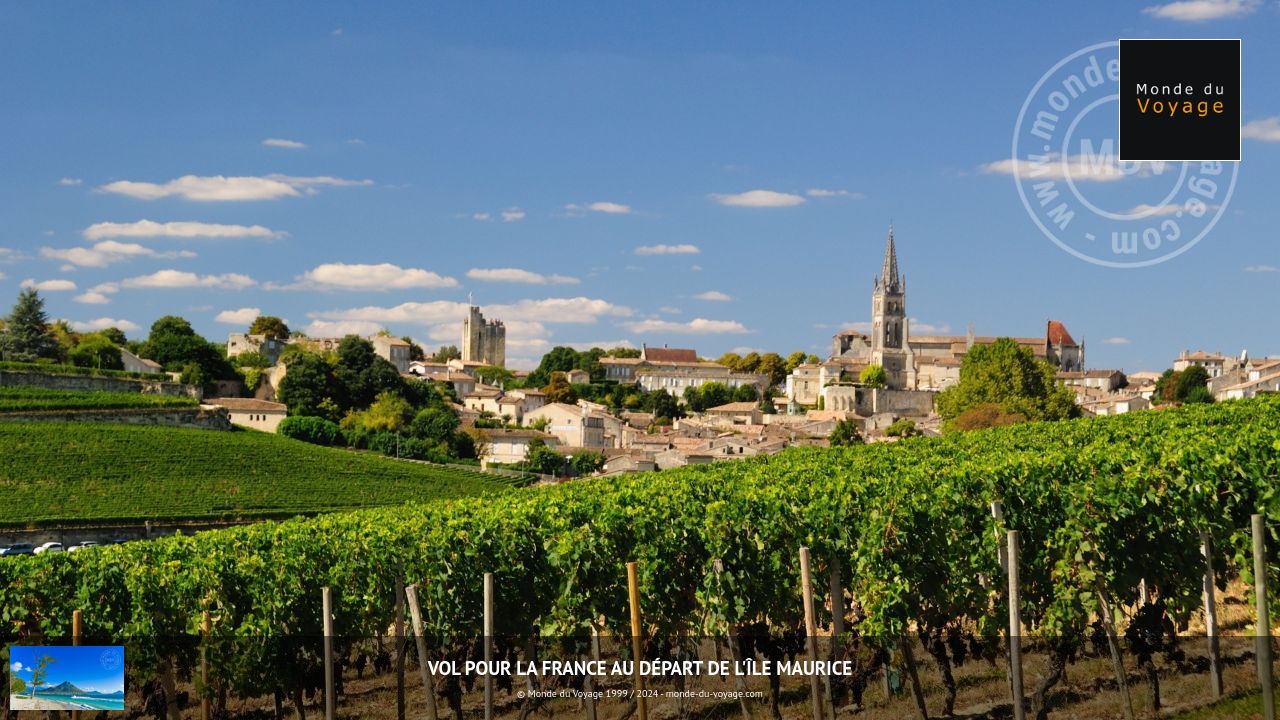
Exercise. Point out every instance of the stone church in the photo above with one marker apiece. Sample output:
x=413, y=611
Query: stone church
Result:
x=913, y=362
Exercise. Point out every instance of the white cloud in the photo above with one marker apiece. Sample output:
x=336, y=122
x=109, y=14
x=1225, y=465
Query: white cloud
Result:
x=697, y=326
x=384, y=276
x=516, y=275
x=354, y=141
x=758, y=199
x=670, y=310
x=103, y=323
x=219, y=188
x=341, y=328
x=2, y=276
x=1262, y=269
x=179, y=279
x=49, y=285
x=575, y=310
x=481, y=216
x=611, y=208
x=916, y=327
x=283, y=143
x=1197, y=10
x=92, y=297
x=1267, y=129
x=107, y=252
x=667, y=250
x=150, y=228
x=1116, y=341
x=603, y=344
x=825, y=193
x=1080, y=168
x=243, y=316
x=70, y=181
x=512, y=214
x=713, y=296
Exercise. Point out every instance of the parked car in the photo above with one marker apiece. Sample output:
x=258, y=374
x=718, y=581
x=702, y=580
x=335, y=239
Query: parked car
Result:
x=50, y=547
x=82, y=545
x=18, y=549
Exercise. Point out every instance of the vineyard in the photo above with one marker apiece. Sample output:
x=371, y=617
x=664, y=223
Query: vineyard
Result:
x=67, y=474
x=1102, y=506
x=26, y=399
x=76, y=370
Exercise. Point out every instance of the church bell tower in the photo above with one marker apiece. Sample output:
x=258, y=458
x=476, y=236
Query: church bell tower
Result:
x=889, y=348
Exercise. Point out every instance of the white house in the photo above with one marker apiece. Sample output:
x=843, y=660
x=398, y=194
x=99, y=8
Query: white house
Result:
x=133, y=363
x=257, y=414
x=511, y=447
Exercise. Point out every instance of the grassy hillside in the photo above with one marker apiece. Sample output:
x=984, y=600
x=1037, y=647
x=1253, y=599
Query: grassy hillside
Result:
x=55, y=473
x=23, y=399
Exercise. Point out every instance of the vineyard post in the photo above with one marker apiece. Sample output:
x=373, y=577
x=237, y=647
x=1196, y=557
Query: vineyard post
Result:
x=428, y=682
x=637, y=642
x=1211, y=615
x=739, y=685
x=1015, y=628
x=590, y=680
x=1264, y=618
x=1117, y=664
x=811, y=633
x=400, y=648
x=488, y=646
x=1002, y=556
x=77, y=632
x=836, y=594
x=206, y=628
x=326, y=605
x=909, y=659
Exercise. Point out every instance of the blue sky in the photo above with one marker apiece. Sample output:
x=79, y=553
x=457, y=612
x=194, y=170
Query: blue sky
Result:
x=353, y=166
x=82, y=666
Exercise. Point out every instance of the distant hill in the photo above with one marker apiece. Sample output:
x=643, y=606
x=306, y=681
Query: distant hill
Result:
x=64, y=473
x=116, y=694
x=62, y=688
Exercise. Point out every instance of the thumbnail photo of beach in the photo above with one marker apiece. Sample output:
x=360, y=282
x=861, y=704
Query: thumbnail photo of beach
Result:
x=89, y=677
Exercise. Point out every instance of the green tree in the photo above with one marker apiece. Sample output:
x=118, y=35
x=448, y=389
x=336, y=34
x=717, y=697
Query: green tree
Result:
x=95, y=350
x=445, y=354
x=873, y=376
x=558, y=390
x=1010, y=377
x=27, y=334
x=745, y=393
x=493, y=375
x=986, y=415
x=175, y=345
x=434, y=423
x=311, y=388
x=559, y=359
x=586, y=462
x=388, y=413
x=269, y=325
x=363, y=373
x=542, y=459
x=115, y=335
x=1192, y=386
x=902, y=427
x=16, y=685
x=844, y=434
x=663, y=405
x=795, y=360
x=251, y=359
x=774, y=366
x=709, y=395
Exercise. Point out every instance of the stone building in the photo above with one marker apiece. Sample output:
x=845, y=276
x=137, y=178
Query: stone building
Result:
x=257, y=414
x=483, y=340
x=911, y=362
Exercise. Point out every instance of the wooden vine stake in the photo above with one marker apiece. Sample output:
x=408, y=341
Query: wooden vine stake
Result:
x=1263, y=630
x=428, y=681
x=206, y=629
x=836, y=594
x=739, y=684
x=1015, y=627
x=330, y=700
x=1211, y=616
x=811, y=633
x=488, y=646
x=637, y=641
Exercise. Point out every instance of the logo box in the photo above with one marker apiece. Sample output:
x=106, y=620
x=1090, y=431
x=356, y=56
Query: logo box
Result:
x=1179, y=100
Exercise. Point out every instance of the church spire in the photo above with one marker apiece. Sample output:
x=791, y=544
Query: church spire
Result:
x=889, y=278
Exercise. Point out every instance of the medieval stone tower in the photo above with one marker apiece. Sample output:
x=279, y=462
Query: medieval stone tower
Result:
x=889, y=347
x=483, y=340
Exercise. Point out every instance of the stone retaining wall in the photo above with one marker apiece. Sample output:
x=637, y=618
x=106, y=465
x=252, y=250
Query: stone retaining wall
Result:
x=204, y=417
x=90, y=383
